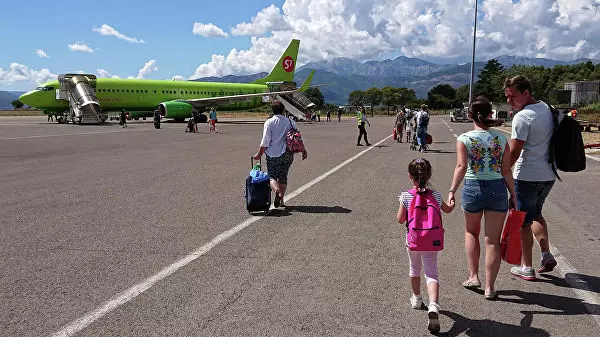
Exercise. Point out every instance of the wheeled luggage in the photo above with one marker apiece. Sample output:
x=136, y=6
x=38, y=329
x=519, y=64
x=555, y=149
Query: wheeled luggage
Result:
x=258, y=193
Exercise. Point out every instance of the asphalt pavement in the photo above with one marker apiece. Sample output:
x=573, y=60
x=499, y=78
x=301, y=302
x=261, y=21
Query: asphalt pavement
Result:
x=110, y=231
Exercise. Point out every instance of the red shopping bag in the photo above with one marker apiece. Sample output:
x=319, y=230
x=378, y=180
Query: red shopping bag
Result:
x=428, y=139
x=510, y=245
x=395, y=134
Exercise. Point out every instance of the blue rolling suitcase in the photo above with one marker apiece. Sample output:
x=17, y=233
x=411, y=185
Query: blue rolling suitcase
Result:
x=258, y=194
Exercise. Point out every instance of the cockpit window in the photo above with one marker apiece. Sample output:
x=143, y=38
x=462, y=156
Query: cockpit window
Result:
x=48, y=88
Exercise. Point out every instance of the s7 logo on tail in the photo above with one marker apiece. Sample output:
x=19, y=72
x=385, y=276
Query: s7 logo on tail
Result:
x=288, y=64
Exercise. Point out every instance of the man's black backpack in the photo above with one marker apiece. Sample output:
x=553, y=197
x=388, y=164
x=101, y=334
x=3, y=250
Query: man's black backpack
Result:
x=566, y=145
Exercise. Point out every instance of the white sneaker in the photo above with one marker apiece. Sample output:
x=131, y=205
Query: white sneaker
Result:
x=416, y=301
x=433, y=313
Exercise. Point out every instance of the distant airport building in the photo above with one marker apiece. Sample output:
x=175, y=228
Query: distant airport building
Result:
x=583, y=92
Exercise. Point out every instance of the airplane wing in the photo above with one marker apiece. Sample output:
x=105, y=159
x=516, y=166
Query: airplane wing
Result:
x=223, y=100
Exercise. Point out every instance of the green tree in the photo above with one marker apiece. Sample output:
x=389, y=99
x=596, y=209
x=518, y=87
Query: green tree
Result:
x=356, y=98
x=406, y=96
x=391, y=97
x=442, y=96
x=489, y=78
x=315, y=96
x=17, y=104
x=462, y=94
x=374, y=96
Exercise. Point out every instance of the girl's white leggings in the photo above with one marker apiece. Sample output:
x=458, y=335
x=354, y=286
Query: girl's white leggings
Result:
x=426, y=261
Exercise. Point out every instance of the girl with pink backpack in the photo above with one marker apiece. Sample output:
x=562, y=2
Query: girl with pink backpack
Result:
x=420, y=208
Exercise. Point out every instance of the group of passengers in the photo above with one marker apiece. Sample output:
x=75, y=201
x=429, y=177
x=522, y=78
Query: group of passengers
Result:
x=484, y=161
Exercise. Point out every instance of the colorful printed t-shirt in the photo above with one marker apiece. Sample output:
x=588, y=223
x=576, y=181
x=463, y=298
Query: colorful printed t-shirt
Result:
x=485, y=149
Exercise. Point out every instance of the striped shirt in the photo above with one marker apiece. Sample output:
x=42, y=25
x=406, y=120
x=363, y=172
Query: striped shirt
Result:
x=405, y=198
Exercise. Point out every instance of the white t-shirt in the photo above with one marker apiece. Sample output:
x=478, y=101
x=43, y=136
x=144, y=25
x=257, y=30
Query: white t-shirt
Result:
x=419, y=116
x=274, y=133
x=533, y=125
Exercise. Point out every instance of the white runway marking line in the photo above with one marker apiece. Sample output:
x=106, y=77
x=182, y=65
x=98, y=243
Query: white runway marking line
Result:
x=71, y=134
x=590, y=299
x=84, y=321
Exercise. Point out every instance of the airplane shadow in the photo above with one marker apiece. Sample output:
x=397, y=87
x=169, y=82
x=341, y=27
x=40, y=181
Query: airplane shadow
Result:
x=289, y=210
x=380, y=146
x=487, y=327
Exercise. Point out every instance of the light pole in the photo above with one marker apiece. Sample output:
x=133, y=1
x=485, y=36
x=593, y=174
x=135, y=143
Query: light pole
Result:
x=473, y=56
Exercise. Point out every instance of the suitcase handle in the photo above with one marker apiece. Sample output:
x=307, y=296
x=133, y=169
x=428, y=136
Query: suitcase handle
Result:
x=252, y=162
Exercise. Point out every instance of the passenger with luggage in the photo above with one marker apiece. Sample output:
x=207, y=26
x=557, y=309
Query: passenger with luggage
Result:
x=399, y=124
x=420, y=210
x=422, y=121
x=274, y=145
x=191, y=126
x=483, y=160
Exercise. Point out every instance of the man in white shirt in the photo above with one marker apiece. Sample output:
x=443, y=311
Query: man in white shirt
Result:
x=532, y=129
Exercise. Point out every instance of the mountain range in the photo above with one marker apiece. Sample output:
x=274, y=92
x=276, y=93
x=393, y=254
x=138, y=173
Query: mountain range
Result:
x=343, y=75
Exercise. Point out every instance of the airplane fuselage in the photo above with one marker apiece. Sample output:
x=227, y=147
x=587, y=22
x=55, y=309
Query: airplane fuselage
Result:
x=137, y=95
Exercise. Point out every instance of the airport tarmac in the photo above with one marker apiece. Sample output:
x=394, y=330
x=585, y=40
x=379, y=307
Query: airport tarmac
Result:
x=110, y=231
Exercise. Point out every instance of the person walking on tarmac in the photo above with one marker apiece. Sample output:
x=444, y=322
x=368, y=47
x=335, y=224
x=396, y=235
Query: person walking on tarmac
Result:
x=213, y=120
x=156, y=119
x=50, y=117
x=361, y=119
x=123, y=118
x=400, y=123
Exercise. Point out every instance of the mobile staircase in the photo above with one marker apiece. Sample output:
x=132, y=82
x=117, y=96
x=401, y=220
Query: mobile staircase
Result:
x=295, y=103
x=79, y=91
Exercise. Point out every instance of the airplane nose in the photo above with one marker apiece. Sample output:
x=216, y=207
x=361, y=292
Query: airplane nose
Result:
x=28, y=98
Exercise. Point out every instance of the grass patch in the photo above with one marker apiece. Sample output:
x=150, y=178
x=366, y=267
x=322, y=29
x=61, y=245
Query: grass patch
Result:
x=21, y=113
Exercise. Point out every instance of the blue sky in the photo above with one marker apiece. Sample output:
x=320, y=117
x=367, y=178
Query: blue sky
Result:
x=247, y=36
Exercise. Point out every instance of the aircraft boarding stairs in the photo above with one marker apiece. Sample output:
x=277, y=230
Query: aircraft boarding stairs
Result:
x=79, y=91
x=295, y=103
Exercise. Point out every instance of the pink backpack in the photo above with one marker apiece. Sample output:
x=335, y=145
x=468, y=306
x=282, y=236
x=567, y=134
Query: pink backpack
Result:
x=425, y=230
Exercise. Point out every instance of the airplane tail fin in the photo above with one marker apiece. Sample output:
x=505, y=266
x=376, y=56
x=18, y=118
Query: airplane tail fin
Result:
x=283, y=71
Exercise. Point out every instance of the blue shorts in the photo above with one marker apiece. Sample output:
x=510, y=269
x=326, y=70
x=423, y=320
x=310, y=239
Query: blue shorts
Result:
x=531, y=196
x=480, y=195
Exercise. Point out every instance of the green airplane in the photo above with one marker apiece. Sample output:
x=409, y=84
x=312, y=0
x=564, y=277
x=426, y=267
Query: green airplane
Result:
x=74, y=96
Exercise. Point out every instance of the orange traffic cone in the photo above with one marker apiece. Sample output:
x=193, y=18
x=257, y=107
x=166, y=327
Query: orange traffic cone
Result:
x=510, y=245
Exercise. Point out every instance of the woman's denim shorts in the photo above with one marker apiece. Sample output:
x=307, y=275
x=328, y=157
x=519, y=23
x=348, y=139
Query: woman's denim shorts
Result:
x=489, y=195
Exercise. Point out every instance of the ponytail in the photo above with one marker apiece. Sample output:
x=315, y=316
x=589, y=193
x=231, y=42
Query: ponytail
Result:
x=480, y=112
x=420, y=171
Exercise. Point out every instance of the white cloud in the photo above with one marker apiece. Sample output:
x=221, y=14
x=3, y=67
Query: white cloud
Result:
x=178, y=78
x=107, y=30
x=82, y=47
x=149, y=67
x=105, y=74
x=41, y=53
x=208, y=30
x=364, y=30
x=21, y=73
x=268, y=19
